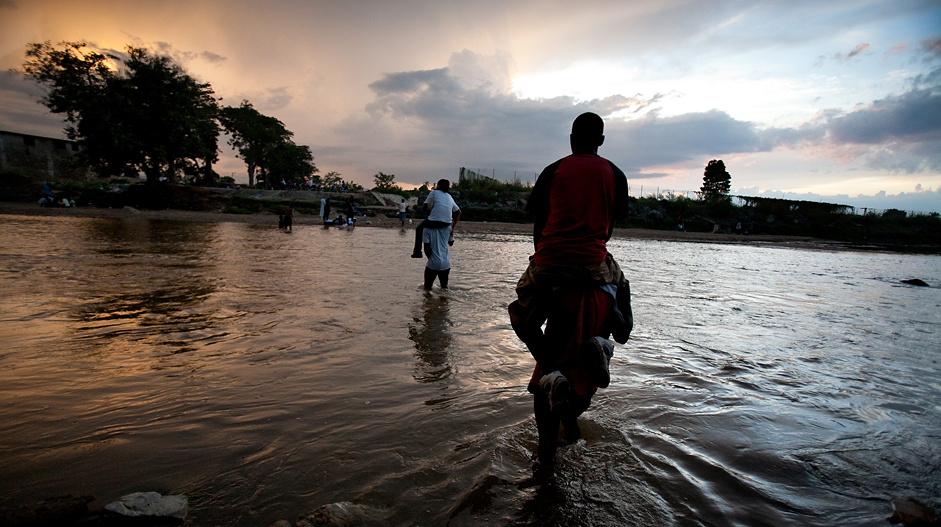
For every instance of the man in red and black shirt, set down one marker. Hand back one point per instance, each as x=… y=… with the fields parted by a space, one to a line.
x=572 y=284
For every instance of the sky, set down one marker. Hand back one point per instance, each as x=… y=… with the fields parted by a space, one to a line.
x=836 y=101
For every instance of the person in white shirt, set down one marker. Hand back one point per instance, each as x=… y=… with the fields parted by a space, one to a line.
x=444 y=212
x=403 y=207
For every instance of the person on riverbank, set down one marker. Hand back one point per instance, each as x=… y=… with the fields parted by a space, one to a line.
x=572 y=284
x=403 y=208
x=444 y=212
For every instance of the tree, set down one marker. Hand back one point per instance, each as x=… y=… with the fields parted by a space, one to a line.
x=290 y=162
x=716 y=181
x=172 y=115
x=145 y=115
x=265 y=144
x=81 y=84
x=385 y=183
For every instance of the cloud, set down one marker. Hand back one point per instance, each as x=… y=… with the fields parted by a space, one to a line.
x=21 y=110
x=464 y=114
x=181 y=57
x=8 y=4
x=932 y=46
x=859 y=49
x=269 y=100
x=656 y=141
x=470 y=120
x=898 y=133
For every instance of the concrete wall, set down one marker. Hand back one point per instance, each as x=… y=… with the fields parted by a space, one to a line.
x=40 y=157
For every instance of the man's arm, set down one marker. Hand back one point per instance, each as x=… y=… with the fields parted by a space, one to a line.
x=455 y=216
x=538 y=203
x=621 y=203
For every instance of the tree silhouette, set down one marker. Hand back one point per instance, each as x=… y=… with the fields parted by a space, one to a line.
x=716 y=181
x=146 y=114
x=385 y=182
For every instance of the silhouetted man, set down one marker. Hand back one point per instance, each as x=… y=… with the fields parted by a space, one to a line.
x=572 y=284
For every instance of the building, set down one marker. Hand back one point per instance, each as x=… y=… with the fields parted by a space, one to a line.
x=40 y=157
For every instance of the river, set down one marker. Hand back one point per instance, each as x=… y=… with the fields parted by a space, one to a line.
x=266 y=375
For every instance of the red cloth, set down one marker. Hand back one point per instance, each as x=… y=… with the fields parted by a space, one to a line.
x=577 y=314
x=581 y=202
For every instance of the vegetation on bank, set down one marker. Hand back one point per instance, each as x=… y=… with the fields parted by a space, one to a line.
x=503 y=202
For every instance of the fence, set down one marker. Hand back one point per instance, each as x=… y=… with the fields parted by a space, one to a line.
x=516 y=177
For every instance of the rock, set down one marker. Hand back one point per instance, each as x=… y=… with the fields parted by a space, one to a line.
x=131 y=210
x=910 y=513
x=150 y=504
x=281 y=523
x=915 y=281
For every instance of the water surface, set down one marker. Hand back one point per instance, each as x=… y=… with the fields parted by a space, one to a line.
x=265 y=375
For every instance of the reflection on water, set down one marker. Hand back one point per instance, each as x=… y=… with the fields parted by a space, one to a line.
x=431 y=333
x=265 y=375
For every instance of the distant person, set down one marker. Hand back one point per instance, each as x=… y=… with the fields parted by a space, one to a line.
x=323 y=206
x=738 y=228
x=350 y=207
x=326 y=211
x=572 y=284
x=286 y=220
x=403 y=208
x=435 y=241
x=444 y=212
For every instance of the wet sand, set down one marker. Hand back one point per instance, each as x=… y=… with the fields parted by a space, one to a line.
x=473 y=227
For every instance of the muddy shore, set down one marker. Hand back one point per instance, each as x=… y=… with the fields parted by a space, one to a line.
x=31 y=209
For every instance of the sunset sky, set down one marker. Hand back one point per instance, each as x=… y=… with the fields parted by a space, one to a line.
x=837 y=101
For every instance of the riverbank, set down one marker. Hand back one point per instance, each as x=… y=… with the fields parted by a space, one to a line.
x=381 y=221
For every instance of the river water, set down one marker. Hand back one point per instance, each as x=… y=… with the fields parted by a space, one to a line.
x=266 y=375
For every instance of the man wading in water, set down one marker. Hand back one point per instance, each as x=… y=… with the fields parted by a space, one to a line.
x=572 y=284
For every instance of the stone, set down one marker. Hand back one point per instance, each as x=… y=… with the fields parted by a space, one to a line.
x=150 y=504
x=915 y=281
x=910 y=513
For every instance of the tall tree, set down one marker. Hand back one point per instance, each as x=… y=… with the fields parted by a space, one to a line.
x=716 y=181
x=173 y=115
x=82 y=85
x=145 y=115
x=255 y=135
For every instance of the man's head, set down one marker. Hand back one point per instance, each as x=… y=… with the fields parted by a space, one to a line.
x=587 y=133
x=443 y=185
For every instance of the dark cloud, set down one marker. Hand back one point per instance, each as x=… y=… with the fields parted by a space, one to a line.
x=912 y=115
x=22 y=110
x=932 y=46
x=8 y=4
x=898 y=133
x=265 y=101
x=654 y=141
x=214 y=58
x=859 y=49
x=410 y=83
x=182 y=56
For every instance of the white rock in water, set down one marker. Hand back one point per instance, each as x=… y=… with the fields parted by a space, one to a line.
x=150 y=504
